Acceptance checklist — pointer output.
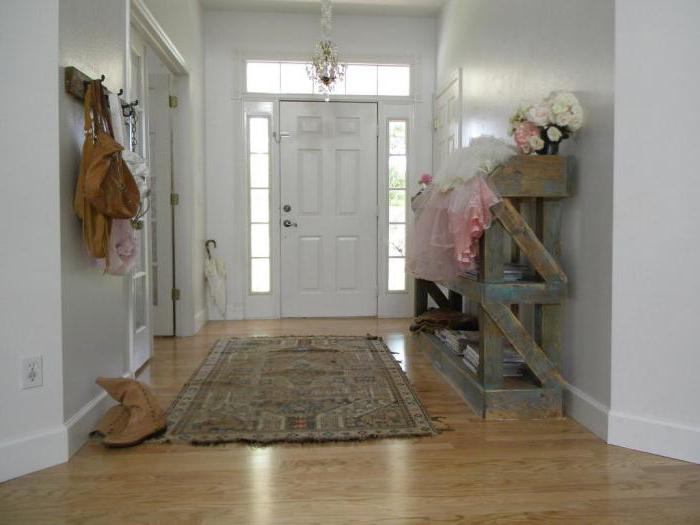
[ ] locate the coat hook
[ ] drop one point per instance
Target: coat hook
(121, 92)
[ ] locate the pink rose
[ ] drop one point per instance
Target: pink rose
(522, 135)
(426, 178)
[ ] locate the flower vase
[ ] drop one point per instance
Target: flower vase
(550, 148)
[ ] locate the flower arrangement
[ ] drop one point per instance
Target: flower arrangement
(425, 179)
(539, 128)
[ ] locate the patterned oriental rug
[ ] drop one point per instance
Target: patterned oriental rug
(296, 389)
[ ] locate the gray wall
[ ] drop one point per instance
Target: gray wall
(31, 422)
(518, 51)
(656, 285)
(92, 37)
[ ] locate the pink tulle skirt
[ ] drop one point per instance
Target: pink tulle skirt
(447, 229)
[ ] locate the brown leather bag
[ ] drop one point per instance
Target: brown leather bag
(96, 225)
(108, 185)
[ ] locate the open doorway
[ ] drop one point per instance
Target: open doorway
(151, 297)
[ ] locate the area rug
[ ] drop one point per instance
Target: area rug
(296, 389)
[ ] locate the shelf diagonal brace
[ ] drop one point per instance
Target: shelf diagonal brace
(436, 294)
(527, 241)
(546, 371)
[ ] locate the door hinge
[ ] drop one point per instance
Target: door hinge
(175, 294)
(174, 199)
(172, 101)
(436, 124)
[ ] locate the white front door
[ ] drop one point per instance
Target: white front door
(329, 209)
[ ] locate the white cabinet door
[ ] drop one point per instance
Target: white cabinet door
(329, 187)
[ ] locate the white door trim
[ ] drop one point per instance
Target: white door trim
(188, 320)
(268, 306)
(154, 35)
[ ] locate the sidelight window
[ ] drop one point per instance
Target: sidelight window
(397, 168)
(259, 199)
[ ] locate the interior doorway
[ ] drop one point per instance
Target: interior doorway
(150, 135)
(329, 209)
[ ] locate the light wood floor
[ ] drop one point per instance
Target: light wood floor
(496, 472)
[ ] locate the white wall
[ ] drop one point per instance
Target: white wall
(95, 306)
(32, 435)
(656, 285)
(515, 52)
(182, 22)
(232, 35)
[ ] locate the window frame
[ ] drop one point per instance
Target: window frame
(249, 210)
(340, 96)
(405, 188)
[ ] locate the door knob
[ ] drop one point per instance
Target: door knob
(287, 223)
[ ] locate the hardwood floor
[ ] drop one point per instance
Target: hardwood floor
(479, 472)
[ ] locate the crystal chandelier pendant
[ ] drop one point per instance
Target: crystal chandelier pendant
(325, 70)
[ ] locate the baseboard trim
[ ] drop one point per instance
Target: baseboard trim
(587, 410)
(663, 438)
(80, 424)
(84, 421)
(32, 453)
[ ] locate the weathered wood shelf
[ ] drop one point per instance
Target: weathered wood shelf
(519, 398)
(525, 314)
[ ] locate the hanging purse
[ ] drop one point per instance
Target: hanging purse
(108, 184)
(96, 225)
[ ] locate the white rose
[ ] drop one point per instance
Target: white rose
(562, 119)
(554, 134)
(559, 107)
(539, 114)
(535, 142)
(576, 123)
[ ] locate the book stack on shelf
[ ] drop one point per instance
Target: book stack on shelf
(513, 364)
(512, 272)
(464, 343)
(457, 340)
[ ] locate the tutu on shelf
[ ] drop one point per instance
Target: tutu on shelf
(453, 212)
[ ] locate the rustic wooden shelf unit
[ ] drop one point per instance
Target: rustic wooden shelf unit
(526, 314)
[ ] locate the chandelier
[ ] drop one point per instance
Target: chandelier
(324, 69)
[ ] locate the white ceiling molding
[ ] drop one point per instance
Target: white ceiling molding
(156, 38)
(423, 8)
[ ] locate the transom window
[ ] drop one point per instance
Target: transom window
(360, 79)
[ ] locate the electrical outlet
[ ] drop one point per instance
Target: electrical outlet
(32, 372)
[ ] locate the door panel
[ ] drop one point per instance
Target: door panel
(160, 131)
(329, 178)
(140, 300)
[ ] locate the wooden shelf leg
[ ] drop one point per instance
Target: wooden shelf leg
(548, 316)
(490, 352)
(491, 337)
(455, 300)
(420, 294)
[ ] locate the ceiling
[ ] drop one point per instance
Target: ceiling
(355, 7)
